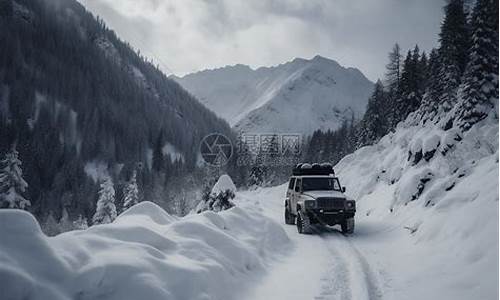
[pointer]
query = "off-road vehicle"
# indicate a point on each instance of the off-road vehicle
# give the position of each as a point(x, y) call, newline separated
point(315, 196)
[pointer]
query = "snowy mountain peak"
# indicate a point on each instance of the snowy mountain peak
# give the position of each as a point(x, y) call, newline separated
point(318, 91)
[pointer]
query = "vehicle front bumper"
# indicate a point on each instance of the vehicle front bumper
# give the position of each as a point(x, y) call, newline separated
point(329, 216)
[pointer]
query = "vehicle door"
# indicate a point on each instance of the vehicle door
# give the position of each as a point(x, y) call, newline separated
point(296, 195)
point(289, 191)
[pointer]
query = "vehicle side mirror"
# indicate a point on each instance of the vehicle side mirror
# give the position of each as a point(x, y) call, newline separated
point(343, 189)
point(297, 189)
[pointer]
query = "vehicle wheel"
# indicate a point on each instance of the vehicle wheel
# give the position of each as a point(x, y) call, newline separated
point(289, 218)
point(303, 224)
point(348, 226)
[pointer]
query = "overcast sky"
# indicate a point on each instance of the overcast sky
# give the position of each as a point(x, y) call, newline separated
point(185, 36)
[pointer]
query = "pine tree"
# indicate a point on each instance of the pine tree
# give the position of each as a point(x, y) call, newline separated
point(131, 193)
point(6, 8)
point(393, 73)
point(374, 123)
point(454, 45)
point(258, 174)
point(422, 73)
point(105, 210)
point(479, 90)
point(158, 158)
point(411, 90)
point(12, 184)
point(393, 84)
point(433, 88)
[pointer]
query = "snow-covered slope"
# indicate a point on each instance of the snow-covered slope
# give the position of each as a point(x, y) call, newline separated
point(144, 254)
point(426, 222)
point(428, 199)
point(298, 96)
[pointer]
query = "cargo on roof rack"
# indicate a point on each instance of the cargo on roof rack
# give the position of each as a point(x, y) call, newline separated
point(313, 169)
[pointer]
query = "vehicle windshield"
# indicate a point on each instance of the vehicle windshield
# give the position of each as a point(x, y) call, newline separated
point(320, 184)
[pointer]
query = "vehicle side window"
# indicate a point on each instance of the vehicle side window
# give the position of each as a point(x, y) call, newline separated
point(291, 184)
point(298, 183)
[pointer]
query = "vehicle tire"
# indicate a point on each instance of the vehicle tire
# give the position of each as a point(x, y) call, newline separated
point(289, 218)
point(303, 224)
point(347, 226)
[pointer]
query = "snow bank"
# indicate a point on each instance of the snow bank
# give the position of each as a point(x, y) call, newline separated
point(144, 254)
point(432, 197)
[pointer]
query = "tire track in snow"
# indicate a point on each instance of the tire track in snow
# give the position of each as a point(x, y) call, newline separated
point(350, 276)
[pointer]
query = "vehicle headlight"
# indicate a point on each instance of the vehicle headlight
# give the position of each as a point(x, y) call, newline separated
point(310, 203)
point(350, 204)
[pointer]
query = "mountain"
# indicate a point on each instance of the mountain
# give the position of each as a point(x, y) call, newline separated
point(79, 103)
point(299, 96)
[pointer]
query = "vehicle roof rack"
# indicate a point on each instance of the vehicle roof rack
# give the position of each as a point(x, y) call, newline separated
point(313, 169)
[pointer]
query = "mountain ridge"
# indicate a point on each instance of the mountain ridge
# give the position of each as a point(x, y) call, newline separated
point(241, 94)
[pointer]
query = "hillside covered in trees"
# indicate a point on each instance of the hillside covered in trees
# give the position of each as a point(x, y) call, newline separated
point(78, 104)
point(457, 81)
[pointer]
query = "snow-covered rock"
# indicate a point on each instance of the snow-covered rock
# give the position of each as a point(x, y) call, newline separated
point(144, 254)
point(296, 97)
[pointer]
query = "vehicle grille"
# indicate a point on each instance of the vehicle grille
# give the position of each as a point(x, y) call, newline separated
point(330, 203)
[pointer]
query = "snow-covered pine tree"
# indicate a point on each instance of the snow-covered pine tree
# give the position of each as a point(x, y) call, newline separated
point(131, 193)
point(479, 91)
point(219, 198)
point(257, 175)
point(50, 227)
point(64, 223)
point(105, 210)
point(259, 172)
point(433, 89)
point(80, 223)
point(12, 184)
point(453, 52)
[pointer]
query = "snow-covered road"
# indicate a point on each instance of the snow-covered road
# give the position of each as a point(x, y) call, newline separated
point(325, 265)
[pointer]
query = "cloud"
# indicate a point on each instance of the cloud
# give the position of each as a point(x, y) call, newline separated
point(184, 36)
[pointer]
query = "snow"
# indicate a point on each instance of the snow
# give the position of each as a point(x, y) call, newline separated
point(325, 265)
point(223, 184)
point(433, 227)
point(300, 272)
point(144, 254)
point(423, 231)
point(296, 97)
